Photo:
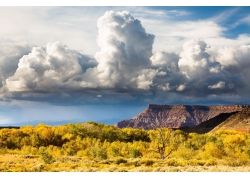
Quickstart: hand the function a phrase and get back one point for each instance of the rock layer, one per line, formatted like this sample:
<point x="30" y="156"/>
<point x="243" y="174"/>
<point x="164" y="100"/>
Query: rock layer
<point x="175" y="116"/>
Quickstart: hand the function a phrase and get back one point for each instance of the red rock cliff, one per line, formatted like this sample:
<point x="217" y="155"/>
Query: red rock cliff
<point x="175" y="116"/>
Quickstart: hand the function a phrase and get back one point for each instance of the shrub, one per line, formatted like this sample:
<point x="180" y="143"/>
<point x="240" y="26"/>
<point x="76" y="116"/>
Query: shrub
<point x="171" y="162"/>
<point x="120" y="160"/>
<point x="134" y="153"/>
<point x="45" y="156"/>
<point x="70" y="151"/>
<point x="148" y="162"/>
<point x="3" y="150"/>
<point x="102" y="153"/>
<point x="114" y="151"/>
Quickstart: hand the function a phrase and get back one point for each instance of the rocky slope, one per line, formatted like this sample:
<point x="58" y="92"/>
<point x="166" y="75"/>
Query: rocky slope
<point x="208" y="125"/>
<point x="175" y="116"/>
<point x="239" y="121"/>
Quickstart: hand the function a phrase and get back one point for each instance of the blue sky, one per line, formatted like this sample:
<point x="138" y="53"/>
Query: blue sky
<point x="108" y="62"/>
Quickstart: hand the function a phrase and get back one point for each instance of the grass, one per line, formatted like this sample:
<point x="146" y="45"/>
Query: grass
<point x="25" y="163"/>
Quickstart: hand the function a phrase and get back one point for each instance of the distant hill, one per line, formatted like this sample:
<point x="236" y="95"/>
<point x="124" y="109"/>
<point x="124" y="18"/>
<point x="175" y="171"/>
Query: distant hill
<point x="36" y="122"/>
<point x="56" y="123"/>
<point x="176" y="116"/>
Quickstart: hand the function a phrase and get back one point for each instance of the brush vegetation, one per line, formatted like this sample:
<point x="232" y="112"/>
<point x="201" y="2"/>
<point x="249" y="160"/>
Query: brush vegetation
<point x="90" y="146"/>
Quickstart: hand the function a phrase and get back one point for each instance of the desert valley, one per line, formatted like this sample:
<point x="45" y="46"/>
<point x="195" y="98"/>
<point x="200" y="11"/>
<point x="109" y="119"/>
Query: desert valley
<point x="162" y="138"/>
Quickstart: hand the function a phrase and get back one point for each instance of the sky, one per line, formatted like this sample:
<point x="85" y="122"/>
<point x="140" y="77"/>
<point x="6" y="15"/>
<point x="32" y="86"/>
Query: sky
<point x="107" y="63"/>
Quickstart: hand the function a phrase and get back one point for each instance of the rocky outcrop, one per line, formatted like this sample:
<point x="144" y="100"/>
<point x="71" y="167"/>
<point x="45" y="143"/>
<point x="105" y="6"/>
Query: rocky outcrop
<point x="175" y="116"/>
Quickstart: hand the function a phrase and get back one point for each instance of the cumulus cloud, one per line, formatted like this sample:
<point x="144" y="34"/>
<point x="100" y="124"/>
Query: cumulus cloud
<point x="54" y="68"/>
<point x="123" y="67"/>
<point x="234" y="59"/>
<point x="169" y="75"/>
<point x="10" y="53"/>
<point x="165" y="61"/>
<point x="145" y="79"/>
<point x="194" y="59"/>
<point x="125" y="51"/>
<point x="193" y="72"/>
<point x="202" y="70"/>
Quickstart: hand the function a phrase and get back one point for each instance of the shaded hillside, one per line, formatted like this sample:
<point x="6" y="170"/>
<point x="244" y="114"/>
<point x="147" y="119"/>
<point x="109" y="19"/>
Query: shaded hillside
<point x="208" y="125"/>
<point x="239" y="121"/>
<point x="175" y="116"/>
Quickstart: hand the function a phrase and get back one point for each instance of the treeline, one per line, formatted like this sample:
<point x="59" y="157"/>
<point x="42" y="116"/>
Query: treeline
<point x="45" y="135"/>
<point x="95" y="141"/>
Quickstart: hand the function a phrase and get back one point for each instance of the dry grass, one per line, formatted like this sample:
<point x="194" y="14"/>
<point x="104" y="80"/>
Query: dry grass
<point x="20" y="163"/>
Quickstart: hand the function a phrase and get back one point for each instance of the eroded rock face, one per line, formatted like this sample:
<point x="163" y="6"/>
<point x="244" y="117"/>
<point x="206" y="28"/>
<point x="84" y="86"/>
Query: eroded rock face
<point x="175" y="116"/>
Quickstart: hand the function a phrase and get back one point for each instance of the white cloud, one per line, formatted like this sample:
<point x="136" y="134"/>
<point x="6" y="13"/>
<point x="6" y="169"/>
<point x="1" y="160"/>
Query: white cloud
<point x="196" y="29"/>
<point x="165" y="60"/>
<point x="74" y="26"/>
<point x="126" y="63"/>
<point x="161" y="73"/>
<point x="224" y="15"/>
<point x="125" y="51"/>
<point x="145" y="80"/>
<point x="165" y="87"/>
<point x="235" y="59"/>
<point x="156" y="59"/>
<point x="171" y="34"/>
<point x="242" y="39"/>
<point x="219" y="85"/>
<point x="203" y="69"/>
<point x="215" y="69"/>
<point x="122" y="63"/>
<point x="147" y="13"/>
<point x="245" y="20"/>
<point x="55" y="68"/>
<point x="194" y="62"/>
<point x="181" y="87"/>
<point x="10" y="53"/>
<point x="193" y="53"/>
